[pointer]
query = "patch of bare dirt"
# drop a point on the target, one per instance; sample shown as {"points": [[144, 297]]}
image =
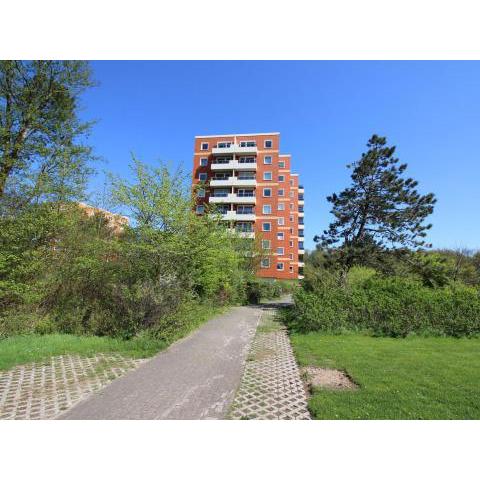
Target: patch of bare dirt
{"points": [[328, 378]]}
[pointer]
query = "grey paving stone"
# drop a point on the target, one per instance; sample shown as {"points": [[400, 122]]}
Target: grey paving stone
{"points": [[271, 387], [40, 391]]}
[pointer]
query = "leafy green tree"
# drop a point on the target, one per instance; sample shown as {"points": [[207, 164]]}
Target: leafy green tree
{"points": [[381, 211], [196, 251], [43, 153]]}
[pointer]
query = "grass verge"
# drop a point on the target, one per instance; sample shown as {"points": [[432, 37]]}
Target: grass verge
{"points": [[409, 378]]}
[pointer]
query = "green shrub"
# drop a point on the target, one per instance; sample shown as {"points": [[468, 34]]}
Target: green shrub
{"points": [[389, 307], [17, 323], [259, 289], [357, 276]]}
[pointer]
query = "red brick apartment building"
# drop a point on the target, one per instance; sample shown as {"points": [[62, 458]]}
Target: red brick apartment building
{"points": [[251, 182]]}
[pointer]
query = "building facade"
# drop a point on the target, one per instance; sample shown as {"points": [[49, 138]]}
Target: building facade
{"points": [[250, 182]]}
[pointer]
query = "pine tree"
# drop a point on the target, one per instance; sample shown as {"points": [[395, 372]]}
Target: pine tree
{"points": [[381, 211]]}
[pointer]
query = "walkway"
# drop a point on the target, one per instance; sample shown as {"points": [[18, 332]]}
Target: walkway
{"points": [[271, 387], [196, 378]]}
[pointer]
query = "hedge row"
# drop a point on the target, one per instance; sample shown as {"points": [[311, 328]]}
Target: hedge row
{"points": [[389, 307]]}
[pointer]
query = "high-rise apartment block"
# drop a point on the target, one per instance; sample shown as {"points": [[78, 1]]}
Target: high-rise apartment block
{"points": [[250, 181]]}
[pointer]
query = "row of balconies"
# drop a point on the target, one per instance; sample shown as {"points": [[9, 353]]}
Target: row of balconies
{"points": [[234, 148], [233, 182], [242, 234], [234, 165], [239, 198], [241, 217], [233, 198]]}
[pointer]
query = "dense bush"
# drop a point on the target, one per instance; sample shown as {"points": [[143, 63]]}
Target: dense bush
{"points": [[62, 271], [259, 289], [388, 306]]}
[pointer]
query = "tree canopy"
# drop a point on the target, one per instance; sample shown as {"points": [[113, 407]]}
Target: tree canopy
{"points": [[43, 150], [380, 211]]}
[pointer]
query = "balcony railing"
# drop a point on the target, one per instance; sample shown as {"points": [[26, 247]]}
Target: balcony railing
{"points": [[233, 198], [242, 233], [234, 149], [234, 165], [232, 182], [240, 217]]}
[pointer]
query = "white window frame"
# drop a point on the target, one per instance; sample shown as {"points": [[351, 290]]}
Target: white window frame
{"points": [[291, 183], [265, 160], [266, 244], [201, 193], [203, 177], [281, 164], [200, 209], [280, 221], [204, 162], [267, 174], [280, 266], [269, 226], [281, 192], [291, 268], [265, 208], [265, 263], [280, 236], [265, 143], [281, 178], [291, 243], [281, 207], [267, 189], [202, 145], [280, 251]]}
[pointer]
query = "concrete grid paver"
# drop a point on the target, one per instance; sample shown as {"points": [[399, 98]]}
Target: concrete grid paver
{"points": [[271, 387], [40, 391]]}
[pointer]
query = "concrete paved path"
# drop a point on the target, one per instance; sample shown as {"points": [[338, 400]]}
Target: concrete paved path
{"points": [[196, 378]]}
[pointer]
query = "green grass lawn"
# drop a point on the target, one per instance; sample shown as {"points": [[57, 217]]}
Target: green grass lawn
{"points": [[37, 348], [411, 378]]}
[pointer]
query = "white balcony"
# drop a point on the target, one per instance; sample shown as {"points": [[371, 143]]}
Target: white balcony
{"points": [[301, 277], [301, 214], [234, 149], [301, 252], [233, 182], [301, 264], [233, 198], [240, 217], [301, 190], [242, 234], [301, 202], [233, 165]]}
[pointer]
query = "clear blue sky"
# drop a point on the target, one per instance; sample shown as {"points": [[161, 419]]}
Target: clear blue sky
{"points": [[325, 111]]}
